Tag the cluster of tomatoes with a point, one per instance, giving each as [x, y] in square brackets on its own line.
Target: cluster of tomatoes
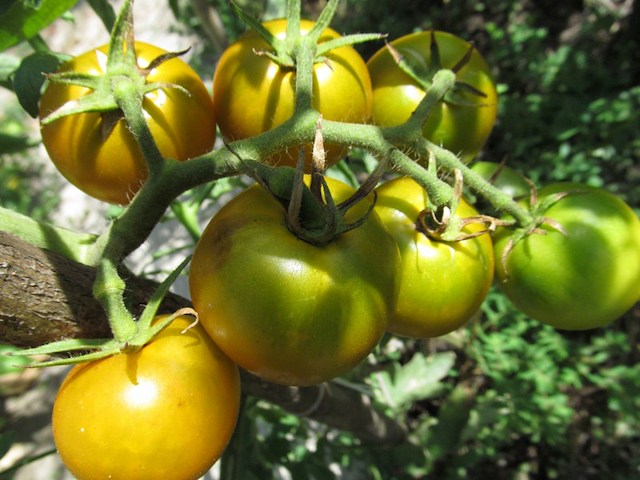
[282, 308]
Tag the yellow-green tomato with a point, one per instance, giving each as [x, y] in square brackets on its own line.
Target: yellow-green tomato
[252, 94]
[166, 411]
[107, 163]
[441, 284]
[461, 122]
[286, 310]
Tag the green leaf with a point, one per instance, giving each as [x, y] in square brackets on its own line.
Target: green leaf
[11, 364]
[10, 143]
[453, 417]
[6, 442]
[105, 11]
[419, 379]
[29, 78]
[8, 65]
[24, 19]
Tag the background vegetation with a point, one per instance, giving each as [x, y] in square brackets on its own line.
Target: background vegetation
[505, 397]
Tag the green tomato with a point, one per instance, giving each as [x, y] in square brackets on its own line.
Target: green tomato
[584, 277]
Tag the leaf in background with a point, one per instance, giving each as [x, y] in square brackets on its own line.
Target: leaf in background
[29, 78]
[105, 11]
[8, 65]
[24, 19]
[446, 436]
[419, 379]
[10, 143]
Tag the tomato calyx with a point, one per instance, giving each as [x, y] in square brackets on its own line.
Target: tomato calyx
[285, 51]
[424, 76]
[537, 209]
[123, 79]
[440, 223]
[311, 213]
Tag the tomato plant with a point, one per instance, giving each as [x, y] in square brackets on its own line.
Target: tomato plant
[102, 158]
[282, 308]
[252, 94]
[167, 410]
[582, 277]
[464, 119]
[441, 284]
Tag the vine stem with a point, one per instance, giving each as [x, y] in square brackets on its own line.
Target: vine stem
[108, 289]
[305, 56]
[500, 200]
[130, 101]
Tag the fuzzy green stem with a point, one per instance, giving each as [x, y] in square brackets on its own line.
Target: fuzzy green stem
[128, 98]
[375, 140]
[305, 56]
[406, 133]
[293, 18]
[443, 82]
[500, 200]
[108, 289]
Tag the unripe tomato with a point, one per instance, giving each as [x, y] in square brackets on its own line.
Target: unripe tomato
[584, 277]
[463, 121]
[252, 94]
[165, 411]
[112, 168]
[503, 177]
[286, 310]
[441, 284]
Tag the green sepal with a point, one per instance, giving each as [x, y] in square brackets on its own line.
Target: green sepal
[149, 312]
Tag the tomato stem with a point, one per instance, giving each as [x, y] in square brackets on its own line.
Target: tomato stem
[130, 100]
[500, 200]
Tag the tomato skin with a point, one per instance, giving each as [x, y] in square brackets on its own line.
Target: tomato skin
[441, 284]
[166, 411]
[584, 279]
[251, 94]
[290, 312]
[462, 127]
[510, 181]
[113, 169]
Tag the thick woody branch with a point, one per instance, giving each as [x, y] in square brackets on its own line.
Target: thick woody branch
[45, 297]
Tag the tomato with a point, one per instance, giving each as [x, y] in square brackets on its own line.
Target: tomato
[166, 411]
[463, 121]
[252, 94]
[503, 177]
[441, 284]
[286, 310]
[112, 168]
[584, 278]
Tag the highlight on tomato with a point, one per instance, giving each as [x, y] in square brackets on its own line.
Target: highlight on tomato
[441, 283]
[464, 119]
[102, 158]
[580, 272]
[282, 308]
[252, 94]
[165, 411]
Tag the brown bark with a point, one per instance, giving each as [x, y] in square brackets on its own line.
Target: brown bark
[45, 297]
